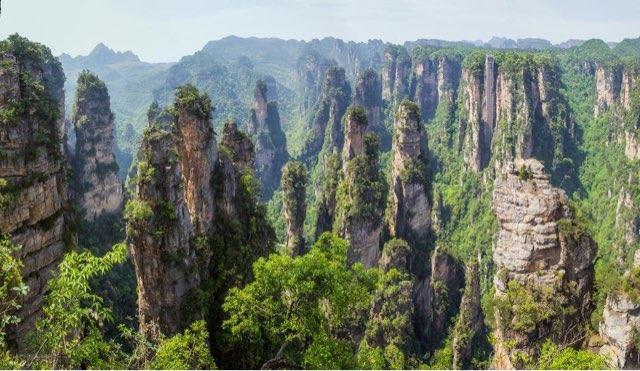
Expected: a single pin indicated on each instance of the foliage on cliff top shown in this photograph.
(189, 99)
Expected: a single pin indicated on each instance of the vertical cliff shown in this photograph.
(33, 187)
(369, 96)
(98, 189)
(160, 232)
(326, 126)
(239, 145)
(544, 263)
(436, 78)
(361, 193)
(409, 206)
(270, 141)
(608, 87)
(470, 320)
(513, 109)
(621, 321)
(294, 189)
(309, 78)
(396, 72)
(198, 154)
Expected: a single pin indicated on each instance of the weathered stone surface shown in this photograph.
(270, 141)
(369, 96)
(98, 190)
(436, 80)
(31, 146)
(620, 323)
(470, 319)
(162, 255)
(539, 246)
(608, 85)
(396, 70)
(355, 126)
(409, 205)
(240, 146)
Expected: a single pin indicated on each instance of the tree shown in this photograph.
(69, 333)
(186, 351)
(12, 288)
(301, 311)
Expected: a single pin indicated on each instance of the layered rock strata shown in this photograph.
(98, 189)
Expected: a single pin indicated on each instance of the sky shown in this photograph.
(166, 30)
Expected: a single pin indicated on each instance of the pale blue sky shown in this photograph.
(165, 30)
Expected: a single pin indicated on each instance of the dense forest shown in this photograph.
(276, 204)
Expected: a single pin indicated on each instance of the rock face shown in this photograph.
(541, 250)
(608, 86)
(271, 144)
(506, 101)
(620, 323)
(361, 192)
(33, 190)
(396, 70)
(159, 231)
(369, 96)
(326, 126)
(98, 189)
(470, 319)
(198, 154)
(294, 189)
(310, 74)
(436, 79)
(240, 146)
(409, 206)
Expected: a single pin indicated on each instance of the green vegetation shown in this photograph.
(297, 310)
(12, 288)
(187, 351)
(137, 211)
(552, 357)
(189, 99)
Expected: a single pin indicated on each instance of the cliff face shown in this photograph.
(98, 188)
(271, 144)
(542, 253)
(361, 194)
(198, 155)
(409, 207)
(355, 127)
(470, 320)
(326, 126)
(159, 231)
(240, 146)
(294, 188)
(396, 70)
(621, 321)
(369, 96)
(33, 188)
(608, 86)
(436, 79)
(310, 75)
(513, 110)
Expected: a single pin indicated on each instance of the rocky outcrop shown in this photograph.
(436, 79)
(198, 154)
(326, 126)
(540, 251)
(239, 145)
(369, 96)
(355, 127)
(608, 86)
(310, 74)
(396, 71)
(33, 189)
(409, 207)
(470, 320)
(160, 231)
(98, 189)
(326, 193)
(621, 321)
(361, 194)
(294, 188)
(506, 101)
(270, 141)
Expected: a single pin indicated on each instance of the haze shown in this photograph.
(165, 30)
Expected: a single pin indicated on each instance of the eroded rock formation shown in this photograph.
(240, 146)
(369, 96)
(470, 320)
(33, 189)
(409, 204)
(396, 70)
(98, 189)
(294, 188)
(540, 252)
(436, 80)
(621, 321)
(270, 141)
